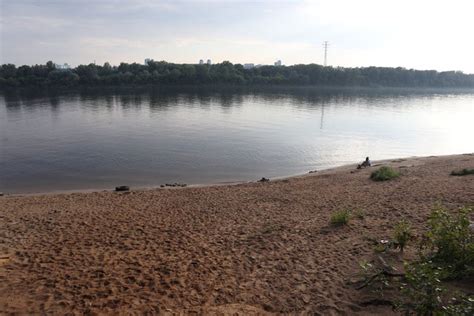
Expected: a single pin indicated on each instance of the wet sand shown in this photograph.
(255, 248)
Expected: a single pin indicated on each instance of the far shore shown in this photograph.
(253, 248)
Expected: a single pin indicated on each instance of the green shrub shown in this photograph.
(421, 290)
(461, 307)
(402, 234)
(451, 241)
(447, 253)
(384, 173)
(463, 172)
(340, 218)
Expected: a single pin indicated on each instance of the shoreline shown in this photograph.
(351, 166)
(249, 249)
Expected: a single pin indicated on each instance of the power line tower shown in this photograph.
(325, 45)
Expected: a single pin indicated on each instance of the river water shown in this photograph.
(97, 139)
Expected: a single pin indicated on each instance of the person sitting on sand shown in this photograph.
(365, 164)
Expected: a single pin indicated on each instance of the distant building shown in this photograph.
(277, 63)
(201, 62)
(64, 66)
(208, 61)
(249, 66)
(147, 60)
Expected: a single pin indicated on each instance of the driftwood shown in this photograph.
(376, 301)
(376, 275)
(386, 271)
(122, 188)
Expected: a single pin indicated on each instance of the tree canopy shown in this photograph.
(162, 73)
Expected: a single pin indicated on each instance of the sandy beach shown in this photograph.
(247, 249)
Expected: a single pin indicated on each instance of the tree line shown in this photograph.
(161, 72)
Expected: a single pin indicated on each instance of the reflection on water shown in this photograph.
(145, 137)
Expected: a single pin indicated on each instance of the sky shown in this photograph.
(407, 33)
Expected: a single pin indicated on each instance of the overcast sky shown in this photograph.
(409, 33)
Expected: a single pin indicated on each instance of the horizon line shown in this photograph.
(254, 65)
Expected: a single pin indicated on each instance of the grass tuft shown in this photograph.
(384, 173)
(340, 218)
(402, 234)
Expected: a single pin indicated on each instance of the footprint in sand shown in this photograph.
(4, 260)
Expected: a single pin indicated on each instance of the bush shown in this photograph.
(461, 307)
(463, 172)
(402, 234)
(384, 173)
(448, 253)
(422, 292)
(451, 241)
(421, 289)
(340, 218)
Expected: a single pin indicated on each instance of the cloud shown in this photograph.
(415, 34)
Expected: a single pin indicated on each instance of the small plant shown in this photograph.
(451, 241)
(422, 289)
(463, 306)
(463, 172)
(402, 234)
(340, 218)
(422, 292)
(446, 252)
(384, 173)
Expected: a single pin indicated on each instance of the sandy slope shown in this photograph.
(248, 249)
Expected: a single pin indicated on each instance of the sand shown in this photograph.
(246, 249)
